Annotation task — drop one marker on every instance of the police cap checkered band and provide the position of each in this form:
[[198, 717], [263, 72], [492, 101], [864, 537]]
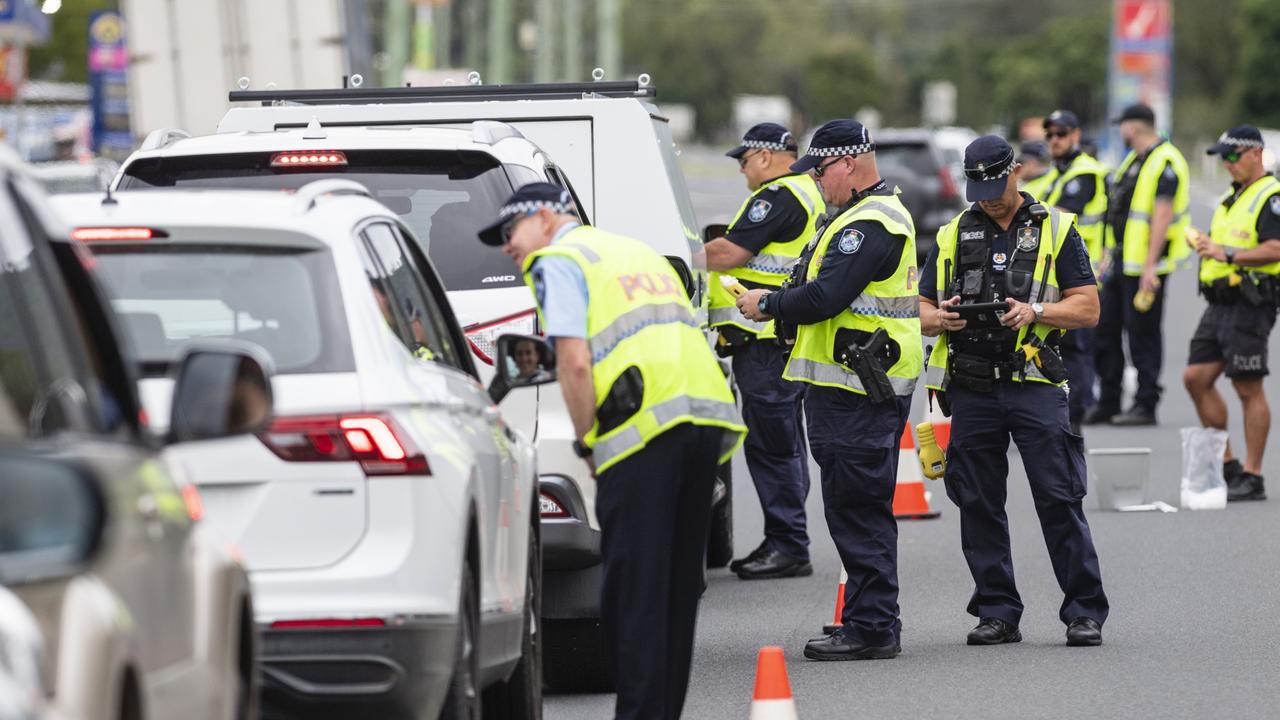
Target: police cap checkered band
[[841, 150], [985, 173], [766, 145], [524, 207], [1226, 139], [1237, 139]]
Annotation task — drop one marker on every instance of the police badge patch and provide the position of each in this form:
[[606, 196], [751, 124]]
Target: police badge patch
[[1275, 204], [850, 240], [999, 258], [1072, 188], [1028, 239], [759, 210]]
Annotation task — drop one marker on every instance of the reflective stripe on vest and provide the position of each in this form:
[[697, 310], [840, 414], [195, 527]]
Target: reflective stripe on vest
[[1237, 227], [1137, 229], [1089, 222]]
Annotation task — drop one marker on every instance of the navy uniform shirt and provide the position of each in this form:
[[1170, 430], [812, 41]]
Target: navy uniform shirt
[[774, 215], [844, 273], [1118, 206], [1078, 191], [1268, 220], [1072, 266]]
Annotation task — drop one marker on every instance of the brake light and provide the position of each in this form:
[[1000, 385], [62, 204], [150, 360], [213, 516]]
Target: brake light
[[89, 234], [373, 440], [308, 158], [195, 505], [549, 507], [483, 337], [948, 184], [328, 623]]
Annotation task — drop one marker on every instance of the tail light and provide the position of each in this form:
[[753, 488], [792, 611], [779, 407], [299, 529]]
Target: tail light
[[193, 502], [308, 158], [948, 183], [483, 337], [328, 623], [90, 234], [373, 440], [549, 507]]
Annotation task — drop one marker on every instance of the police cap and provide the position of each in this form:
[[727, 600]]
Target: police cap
[[1064, 119], [1237, 139], [987, 162], [526, 201], [1036, 150], [835, 139], [1137, 112], [765, 136]]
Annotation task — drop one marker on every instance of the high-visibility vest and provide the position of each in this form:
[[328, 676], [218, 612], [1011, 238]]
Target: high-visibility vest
[[639, 315], [1137, 229], [1237, 227], [1038, 188], [892, 304], [1092, 219], [772, 265], [1054, 230]]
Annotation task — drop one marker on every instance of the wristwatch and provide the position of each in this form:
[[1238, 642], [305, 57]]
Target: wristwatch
[[1038, 309], [1230, 254], [763, 305], [581, 450]]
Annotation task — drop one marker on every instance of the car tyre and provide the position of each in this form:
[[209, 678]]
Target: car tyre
[[720, 534], [463, 700], [246, 669], [519, 697]]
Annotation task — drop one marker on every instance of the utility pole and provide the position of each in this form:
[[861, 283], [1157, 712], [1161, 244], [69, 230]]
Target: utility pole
[[473, 32], [609, 38], [544, 60], [395, 18], [443, 19], [500, 41], [571, 38]]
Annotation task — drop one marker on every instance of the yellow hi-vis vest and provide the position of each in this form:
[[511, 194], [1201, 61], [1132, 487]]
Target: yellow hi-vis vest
[[1053, 237], [1137, 229], [1091, 221], [773, 264], [1038, 188], [639, 315], [892, 304], [1237, 227]]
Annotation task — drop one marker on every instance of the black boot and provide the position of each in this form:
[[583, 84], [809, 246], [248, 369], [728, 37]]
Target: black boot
[[1084, 632], [751, 557], [992, 631], [1136, 416], [1248, 487], [1231, 471], [1098, 415]]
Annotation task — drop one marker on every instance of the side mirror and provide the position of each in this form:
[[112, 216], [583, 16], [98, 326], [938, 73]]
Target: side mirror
[[219, 393], [713, 231], [521, 361], [685, 274], [52, 519]]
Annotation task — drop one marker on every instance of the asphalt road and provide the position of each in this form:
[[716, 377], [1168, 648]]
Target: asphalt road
[[1193, 630]]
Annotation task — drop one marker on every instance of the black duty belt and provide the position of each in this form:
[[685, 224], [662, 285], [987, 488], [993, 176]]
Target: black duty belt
[[974, 372], [1251, 289]]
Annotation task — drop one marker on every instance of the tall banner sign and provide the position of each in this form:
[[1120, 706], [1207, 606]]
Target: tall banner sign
[[1142, 60], [109, 85]]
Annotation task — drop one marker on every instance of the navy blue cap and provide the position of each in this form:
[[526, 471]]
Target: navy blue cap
[[1137, 111], [1035, 149], [765, 136], [987, 162], [835, 139], [1237, 139], [1064, 119], [525, 201]]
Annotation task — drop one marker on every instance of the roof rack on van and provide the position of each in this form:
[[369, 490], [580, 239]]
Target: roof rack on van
[[448, 93]]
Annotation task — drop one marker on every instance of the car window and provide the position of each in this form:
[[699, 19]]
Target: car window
[[914, 157], [403, 297], [168, 296], [444, 197]]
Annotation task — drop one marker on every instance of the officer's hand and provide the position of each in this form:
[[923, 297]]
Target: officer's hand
[[1149, 281], [749, 305], [947, 319], [1018, 316]]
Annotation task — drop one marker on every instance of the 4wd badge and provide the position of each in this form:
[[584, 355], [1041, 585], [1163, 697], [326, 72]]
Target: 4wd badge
[[759, 210], [1028, 239]]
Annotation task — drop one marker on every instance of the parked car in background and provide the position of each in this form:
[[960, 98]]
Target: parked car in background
[[951, 142], [147, 614], [910, 159], [388, 515], [73, 176]]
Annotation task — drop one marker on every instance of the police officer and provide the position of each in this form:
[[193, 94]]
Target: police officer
[[1038, 172], [1240, 277], [762, 244], [1079, 187], [996, 374], [851, 302], [1146, 225], [654, 417]]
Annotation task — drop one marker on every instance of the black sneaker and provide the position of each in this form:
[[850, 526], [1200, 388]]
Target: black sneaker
[[1098, 415], [773, 564], [751, 557], [1247, 487], [993, 631], [1084, 632], [1136, 416], [1231, 471], [839, 646]]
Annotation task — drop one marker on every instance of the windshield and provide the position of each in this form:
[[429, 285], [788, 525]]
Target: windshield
[[915, 158], [444, 197], [283, 300]]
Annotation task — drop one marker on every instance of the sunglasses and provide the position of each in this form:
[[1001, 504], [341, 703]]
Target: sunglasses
[[509, 226], [822, 169], [1231, 157], [1056, 134], [742, 161]]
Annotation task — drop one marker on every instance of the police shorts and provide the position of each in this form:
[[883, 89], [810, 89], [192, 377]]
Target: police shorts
[[1235, 335]]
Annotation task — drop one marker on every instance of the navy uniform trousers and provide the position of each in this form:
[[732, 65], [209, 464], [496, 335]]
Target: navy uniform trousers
[[1077, 355], [775, 447], [1119, 318], [855, 443], [654, 511], [1034, 414]]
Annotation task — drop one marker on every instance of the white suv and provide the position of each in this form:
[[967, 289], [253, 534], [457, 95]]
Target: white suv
[[444, 159], [388, 514]]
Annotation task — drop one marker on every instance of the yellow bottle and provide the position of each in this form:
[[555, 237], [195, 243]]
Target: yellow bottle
[[932, 460], [1144, 299], [734, 287]]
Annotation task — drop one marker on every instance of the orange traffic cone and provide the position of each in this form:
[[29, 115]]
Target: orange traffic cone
[[910, 501], [772, 699], [836, 622]]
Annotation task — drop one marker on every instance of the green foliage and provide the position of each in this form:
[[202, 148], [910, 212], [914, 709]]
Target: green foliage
[[1260, 61], [65, 56], [1064, 64], [842, 78]]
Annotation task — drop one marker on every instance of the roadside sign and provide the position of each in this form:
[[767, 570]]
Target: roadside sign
[[109, 85], [1141, 61]]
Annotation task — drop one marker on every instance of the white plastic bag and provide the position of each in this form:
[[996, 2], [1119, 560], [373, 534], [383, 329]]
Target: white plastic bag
[[1203, 487]]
